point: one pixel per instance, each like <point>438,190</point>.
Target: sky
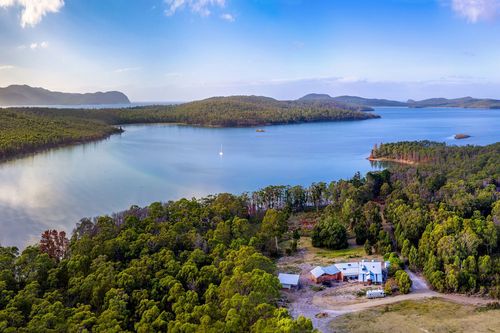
<point>180,50</point>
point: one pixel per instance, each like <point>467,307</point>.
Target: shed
<point>289,281</point>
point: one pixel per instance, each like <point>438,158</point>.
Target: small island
<point>461,136</point>
<point>260,130</point>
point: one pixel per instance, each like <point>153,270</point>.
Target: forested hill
<point>234,111</point>
<point>257,110</point>
<point>353,101</point>
<point>27,132</point>
<point>26,95</point>
<point>465,102</point>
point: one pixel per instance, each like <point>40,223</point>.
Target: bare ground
<point>323,306</point>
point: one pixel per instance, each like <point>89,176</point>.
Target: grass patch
<point>317,288</point>
<point>431,315</point>
<point>349,253</point>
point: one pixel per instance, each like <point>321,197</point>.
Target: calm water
<point>161,162</point>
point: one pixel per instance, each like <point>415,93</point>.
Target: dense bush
<point>330,233</point>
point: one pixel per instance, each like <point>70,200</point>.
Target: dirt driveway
<point>323,306</point>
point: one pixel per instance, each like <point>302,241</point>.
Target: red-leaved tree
<point>54,243</point>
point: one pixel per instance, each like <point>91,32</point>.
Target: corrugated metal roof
<point>331,269</point>
<point>317,271</point>
<point>291,279</point>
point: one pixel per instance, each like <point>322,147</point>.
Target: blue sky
<point>164,50</point>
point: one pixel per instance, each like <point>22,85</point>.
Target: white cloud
<point>127,69</point>
<point>476,10</point>
<point>201,7</point>
<point>227,17</point>
<point>33,10</point>
<point>6,67</point>
<point>34,46</point>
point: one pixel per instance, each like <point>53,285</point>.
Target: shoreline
<point>42,148</point>
<point>395,160</point>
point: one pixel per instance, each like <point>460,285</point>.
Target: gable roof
<point>291,279</point>
<point>348,268</point>
<point>374,267</point>
<point>319,271</point>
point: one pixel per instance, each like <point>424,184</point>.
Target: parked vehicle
<point>379,293</point>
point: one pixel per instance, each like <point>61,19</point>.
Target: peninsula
<point>26,95</point>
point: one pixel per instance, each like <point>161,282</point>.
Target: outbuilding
<point>289,281</point>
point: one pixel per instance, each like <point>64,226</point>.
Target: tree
<point>405,250</point>
<point>274,225</point>
<point>404,281</point>
<point>54,243</point>
<point>330,233</point>
<point>368,247</point>
<point>413,258</point>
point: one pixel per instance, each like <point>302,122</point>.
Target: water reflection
<point>55,189</point>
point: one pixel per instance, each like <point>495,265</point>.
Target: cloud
<point>201,7</point>
<point>6,67</point>
<point>476,10</point>
<point>34,46</point>
<point>33,10</point>
<point>127,69</point>
<point>227,17</point>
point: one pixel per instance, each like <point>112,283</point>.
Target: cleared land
<point>330,308</point>
<point>429,315</point>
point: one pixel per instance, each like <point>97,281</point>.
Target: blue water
<point>150,163</point>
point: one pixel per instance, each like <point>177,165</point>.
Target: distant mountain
<point>327,100</point>
<point>355,100</point>
<point>315,97</point>
<point>464,102</point>
<point>26,95</point>
<point>352,101</point>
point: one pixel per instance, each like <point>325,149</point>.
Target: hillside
<point>26,95</point>
<point>234,111</point>
<point>360,102</point>
<point>24,132</point>
<point>355,100</point>
<point>351,101</point>
<point>464,102</point>
<point>327,100</point>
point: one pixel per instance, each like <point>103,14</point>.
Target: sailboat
<point>221,153</point>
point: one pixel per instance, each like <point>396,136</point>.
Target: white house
<point>363,271</point>
<point>289,281</point>
<point>370,271</point>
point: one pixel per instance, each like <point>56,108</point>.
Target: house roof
<point>348,268</point>
<point>291,279</point>
<point>367,267</point>
<point>319,271</point>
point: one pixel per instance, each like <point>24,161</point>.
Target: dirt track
<point>309,303</point>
